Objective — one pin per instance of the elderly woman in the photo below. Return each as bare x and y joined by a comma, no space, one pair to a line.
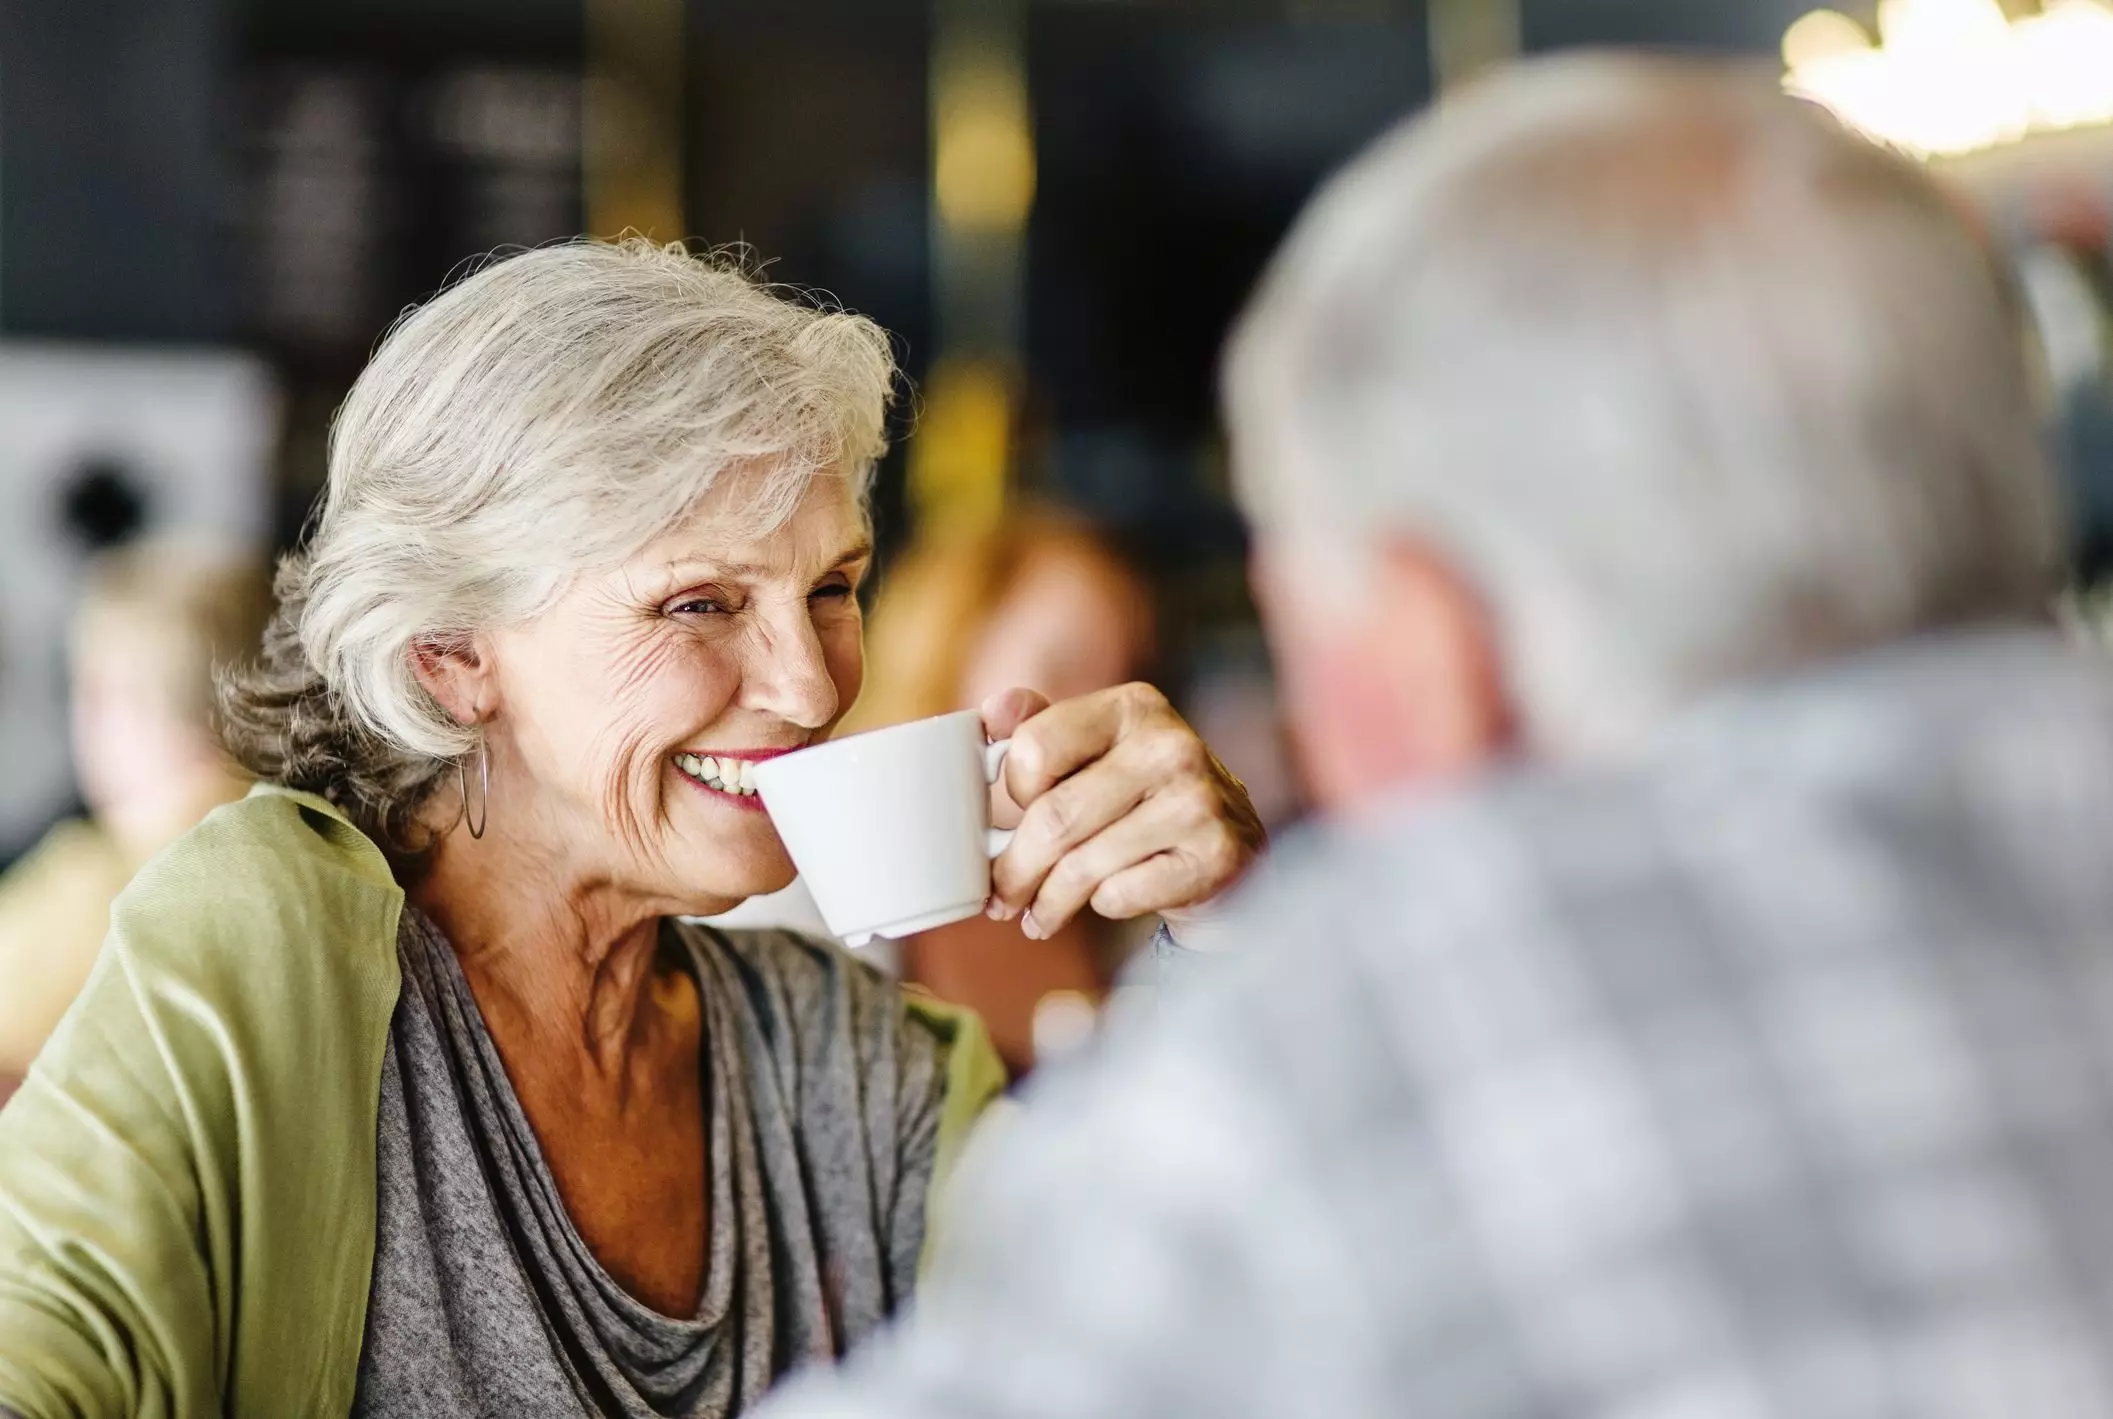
401,1087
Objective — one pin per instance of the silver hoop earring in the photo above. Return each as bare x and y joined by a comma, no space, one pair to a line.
484,790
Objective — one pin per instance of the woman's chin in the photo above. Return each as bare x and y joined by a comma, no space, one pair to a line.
713,880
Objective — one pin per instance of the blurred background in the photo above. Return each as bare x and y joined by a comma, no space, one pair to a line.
211,209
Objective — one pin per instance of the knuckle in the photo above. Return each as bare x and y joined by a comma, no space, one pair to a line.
1112,902
1142,699
1179,754
1059,813
1198,802
1070,881
1004,877
1028,755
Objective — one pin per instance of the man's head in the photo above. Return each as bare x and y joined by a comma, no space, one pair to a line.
1609,382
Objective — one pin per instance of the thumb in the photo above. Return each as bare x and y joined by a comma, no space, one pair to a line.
1007,710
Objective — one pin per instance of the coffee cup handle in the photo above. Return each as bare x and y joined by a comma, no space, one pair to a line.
995,840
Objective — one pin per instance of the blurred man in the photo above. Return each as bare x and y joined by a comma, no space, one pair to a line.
155,618
1745,1047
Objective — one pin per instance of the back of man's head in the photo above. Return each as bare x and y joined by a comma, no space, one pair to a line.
1685,383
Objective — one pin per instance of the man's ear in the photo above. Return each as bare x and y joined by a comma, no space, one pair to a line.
456,672
1391,685
1449,640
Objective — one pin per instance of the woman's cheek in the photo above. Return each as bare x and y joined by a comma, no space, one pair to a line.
711,675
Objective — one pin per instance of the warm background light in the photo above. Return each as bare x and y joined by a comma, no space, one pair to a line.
1957,76
1822,35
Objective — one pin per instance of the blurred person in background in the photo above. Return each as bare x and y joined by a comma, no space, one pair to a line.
405,1088
156,618
1702,1001
1038,601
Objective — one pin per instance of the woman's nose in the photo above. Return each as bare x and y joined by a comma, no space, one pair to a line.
788,673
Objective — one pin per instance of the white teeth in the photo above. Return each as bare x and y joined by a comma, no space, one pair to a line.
723,772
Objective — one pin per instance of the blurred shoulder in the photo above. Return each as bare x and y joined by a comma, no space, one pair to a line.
61,890
1505,853
73,848
1356,936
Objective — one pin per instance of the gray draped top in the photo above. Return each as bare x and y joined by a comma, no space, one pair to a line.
823,1101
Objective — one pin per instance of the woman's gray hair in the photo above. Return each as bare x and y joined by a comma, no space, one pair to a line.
550,415
1689,382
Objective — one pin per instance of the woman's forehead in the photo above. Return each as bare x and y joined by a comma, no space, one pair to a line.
828,526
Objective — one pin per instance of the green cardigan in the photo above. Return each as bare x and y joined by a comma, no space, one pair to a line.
187,1175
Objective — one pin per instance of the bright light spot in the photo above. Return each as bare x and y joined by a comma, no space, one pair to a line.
983,160
2067,58
1955,76
1940,26
1063,1021
1822,35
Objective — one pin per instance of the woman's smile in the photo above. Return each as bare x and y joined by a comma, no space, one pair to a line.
726,774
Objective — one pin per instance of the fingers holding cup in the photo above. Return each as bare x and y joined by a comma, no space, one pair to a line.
1126,810
1058,822
1170,850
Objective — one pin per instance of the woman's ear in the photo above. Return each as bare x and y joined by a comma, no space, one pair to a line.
457,672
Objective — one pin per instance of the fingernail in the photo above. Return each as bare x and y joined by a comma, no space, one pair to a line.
999,910
1030,928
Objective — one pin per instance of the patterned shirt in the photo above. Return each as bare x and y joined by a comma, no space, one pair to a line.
1770,1074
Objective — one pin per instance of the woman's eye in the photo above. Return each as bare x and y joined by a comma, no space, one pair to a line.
833,591
700,606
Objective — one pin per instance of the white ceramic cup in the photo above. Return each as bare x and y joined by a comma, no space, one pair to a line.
891,829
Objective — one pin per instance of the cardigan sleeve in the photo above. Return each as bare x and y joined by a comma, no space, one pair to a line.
186,1175
107,1297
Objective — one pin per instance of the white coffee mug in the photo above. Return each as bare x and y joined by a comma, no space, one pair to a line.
891,829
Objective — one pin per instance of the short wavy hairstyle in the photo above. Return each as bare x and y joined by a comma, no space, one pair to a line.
549,415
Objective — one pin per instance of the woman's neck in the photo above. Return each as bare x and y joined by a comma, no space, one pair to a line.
547,948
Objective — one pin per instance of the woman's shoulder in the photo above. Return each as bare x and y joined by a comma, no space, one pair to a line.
212,1092
273,906
280,840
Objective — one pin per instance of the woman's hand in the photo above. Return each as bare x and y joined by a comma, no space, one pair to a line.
1126,810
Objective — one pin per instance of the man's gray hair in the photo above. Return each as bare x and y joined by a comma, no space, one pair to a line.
1690,383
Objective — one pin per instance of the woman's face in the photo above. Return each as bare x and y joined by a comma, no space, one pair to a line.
706,644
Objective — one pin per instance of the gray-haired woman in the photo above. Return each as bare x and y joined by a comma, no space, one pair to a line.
399,1088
